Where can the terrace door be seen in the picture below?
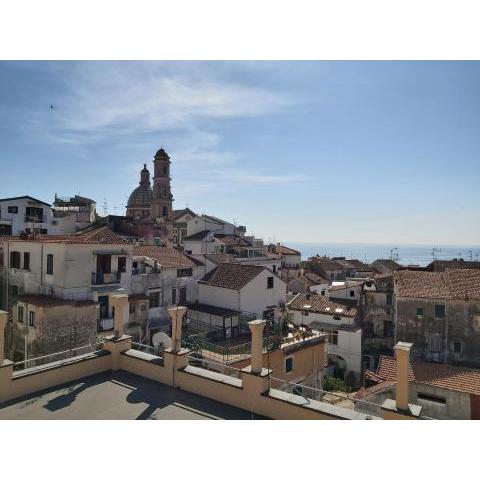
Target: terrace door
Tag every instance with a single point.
(103, 301)
(183, 295)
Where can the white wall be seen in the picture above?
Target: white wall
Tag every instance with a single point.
(18, 219)
(253, 298)
(349, 345)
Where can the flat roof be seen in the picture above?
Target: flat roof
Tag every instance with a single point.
(118, 396)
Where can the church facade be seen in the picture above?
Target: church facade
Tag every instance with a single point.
(153, 205)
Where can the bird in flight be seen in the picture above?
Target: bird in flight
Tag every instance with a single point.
(51, 106)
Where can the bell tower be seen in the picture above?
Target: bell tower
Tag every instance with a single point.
(162, 196)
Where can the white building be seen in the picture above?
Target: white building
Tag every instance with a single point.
(244, 288)
(27, 215)
(24, 214)
(56, 277)
(340, 323)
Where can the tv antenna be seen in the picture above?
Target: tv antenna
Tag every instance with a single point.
(105, 207)
(434, 253)
(394, 254)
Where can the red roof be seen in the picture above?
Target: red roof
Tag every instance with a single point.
(101, 235)
(460, 284)
(232, 275)
(459, 379)
(320, 304)
(165, 256)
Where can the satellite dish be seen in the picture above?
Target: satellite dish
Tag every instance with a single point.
(161, 341)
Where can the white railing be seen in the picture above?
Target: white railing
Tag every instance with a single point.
(54, 357)
(214, 366)
(339, 399)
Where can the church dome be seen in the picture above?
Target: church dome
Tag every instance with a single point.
(140, 197)
(143, 194)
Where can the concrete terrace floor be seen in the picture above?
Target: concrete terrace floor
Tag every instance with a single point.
(118, 396)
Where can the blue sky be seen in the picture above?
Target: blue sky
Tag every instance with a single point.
(382, 152)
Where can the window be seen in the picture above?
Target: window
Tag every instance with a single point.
(165, 212)
(131, 307)
(389, 299)
(458, 347)
(476, 321)
(184, 272)
(274, 269)
(14, 259)
(270, 282)
(49, 264)
(439, 311)
(419, 311)
(288, 364)
(337, 317)
(122, 264)
(26, 260)
(174, 296)
(352, 293)
(12, 209)
(31, 319)
(20, 314)
(154, 299)
(333, 337)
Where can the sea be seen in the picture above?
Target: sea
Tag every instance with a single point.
(420, 255)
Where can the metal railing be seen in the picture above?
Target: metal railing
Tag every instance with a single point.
(339, 399)
(57, 356)
(213, 366)
(143, 347)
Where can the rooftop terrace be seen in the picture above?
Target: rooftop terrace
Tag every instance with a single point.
(119, 396)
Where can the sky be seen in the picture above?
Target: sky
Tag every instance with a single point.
(350, 152)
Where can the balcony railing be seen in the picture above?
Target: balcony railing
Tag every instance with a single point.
(34, 219)
(100, 278)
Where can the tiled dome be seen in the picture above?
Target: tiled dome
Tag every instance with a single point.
(140, 197)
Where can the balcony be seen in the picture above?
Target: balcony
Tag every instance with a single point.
(100, 278)
(34, 219)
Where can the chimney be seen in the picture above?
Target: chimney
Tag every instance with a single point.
(402, 353)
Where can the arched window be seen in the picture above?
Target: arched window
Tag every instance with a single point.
(165, 212)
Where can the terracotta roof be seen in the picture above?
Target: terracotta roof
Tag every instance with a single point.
(232, 275)
(198, 236)
(387, 262)
(219, 258)
(440, 375)
(165, 256)
(457, 284)
(360, 266)
(47, 301)
(231, 240)
(176, 214)
(99, 235)
(327, 264)
(320, 304)
(314, 279)
(286, 250)
(442, 265)
(366, 391)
